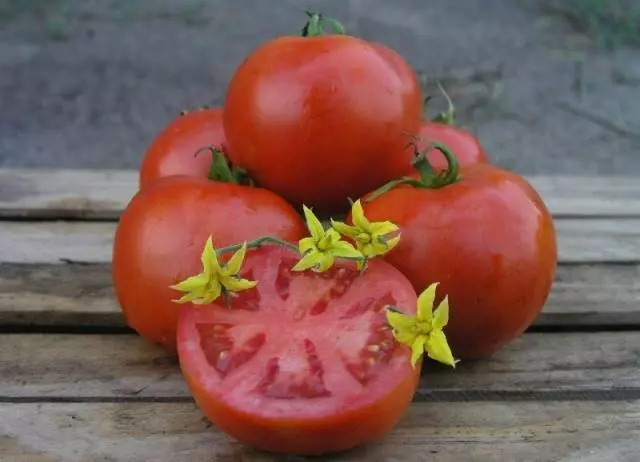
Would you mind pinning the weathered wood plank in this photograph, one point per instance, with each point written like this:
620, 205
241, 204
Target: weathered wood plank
536, 366
438, 432
82, 295
579, 241
53, 193
73, 193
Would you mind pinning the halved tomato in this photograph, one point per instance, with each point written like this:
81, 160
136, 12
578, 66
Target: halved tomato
304, 363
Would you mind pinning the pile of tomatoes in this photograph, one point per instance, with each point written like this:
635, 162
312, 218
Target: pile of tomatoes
324, 124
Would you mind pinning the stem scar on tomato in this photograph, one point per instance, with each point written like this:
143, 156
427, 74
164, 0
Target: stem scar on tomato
222, 170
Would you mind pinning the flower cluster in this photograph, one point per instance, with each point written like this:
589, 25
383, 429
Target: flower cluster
371, 239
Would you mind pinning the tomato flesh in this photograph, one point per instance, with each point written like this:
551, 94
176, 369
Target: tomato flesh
306, 362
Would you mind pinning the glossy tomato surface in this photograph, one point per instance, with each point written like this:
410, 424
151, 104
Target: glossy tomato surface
463, 144
305, 363
162, 232
490, 242
320, 119
173, 151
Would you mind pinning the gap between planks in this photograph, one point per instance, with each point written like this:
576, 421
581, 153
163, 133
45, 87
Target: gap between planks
438, 432
103, 194
575, 366
579, 241
81, 296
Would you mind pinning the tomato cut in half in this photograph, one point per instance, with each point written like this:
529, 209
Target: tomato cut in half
305, 363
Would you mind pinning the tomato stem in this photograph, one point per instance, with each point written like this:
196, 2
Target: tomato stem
429, 178
445, 117
259, 242
315, 25
220, 169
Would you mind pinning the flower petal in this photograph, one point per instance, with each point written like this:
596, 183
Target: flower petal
343, 249
417, 349
209, 259
192, 283
325, 262
382, 228
313, 224
405, 338
438, 348
400, 321
425, 302
344, 228
235, 262
441, 314
309, 260
305, 244
235, 284
358, 218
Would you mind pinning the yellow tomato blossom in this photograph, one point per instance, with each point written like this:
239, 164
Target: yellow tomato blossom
423, 332
322, 247
372, 239
215, 279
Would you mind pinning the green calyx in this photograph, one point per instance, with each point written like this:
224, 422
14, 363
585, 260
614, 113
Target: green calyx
429, 178
222, 171
316, 23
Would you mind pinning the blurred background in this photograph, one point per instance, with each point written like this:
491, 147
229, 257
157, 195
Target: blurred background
549, 86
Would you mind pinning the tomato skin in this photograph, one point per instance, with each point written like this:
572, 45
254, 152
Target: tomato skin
173, 151
490, 242
301, 118
352, 418
331, 434
464, 145
161, 234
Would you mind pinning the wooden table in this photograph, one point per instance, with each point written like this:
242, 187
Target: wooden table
77, 385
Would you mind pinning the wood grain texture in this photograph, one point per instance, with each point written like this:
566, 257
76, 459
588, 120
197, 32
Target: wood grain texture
60, 194
539, 366
103, 194
75, 295
437, 432
579, 241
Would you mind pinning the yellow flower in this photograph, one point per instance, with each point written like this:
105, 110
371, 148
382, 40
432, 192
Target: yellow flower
215, 279
372, 239
423, 332
322, 247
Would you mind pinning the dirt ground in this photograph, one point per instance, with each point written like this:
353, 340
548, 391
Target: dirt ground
88, 83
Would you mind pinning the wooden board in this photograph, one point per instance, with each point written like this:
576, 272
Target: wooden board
568, 366
103, 194
579, 241
76, 296
435, 432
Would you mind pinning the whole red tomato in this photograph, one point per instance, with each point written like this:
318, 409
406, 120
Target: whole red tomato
321, 118
173, 151
489, 240
304, 363
161, 233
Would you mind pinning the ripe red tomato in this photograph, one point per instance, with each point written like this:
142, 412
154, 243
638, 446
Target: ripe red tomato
463, 144
305, 363
173, 151
320, 119
161, 234
488, 239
